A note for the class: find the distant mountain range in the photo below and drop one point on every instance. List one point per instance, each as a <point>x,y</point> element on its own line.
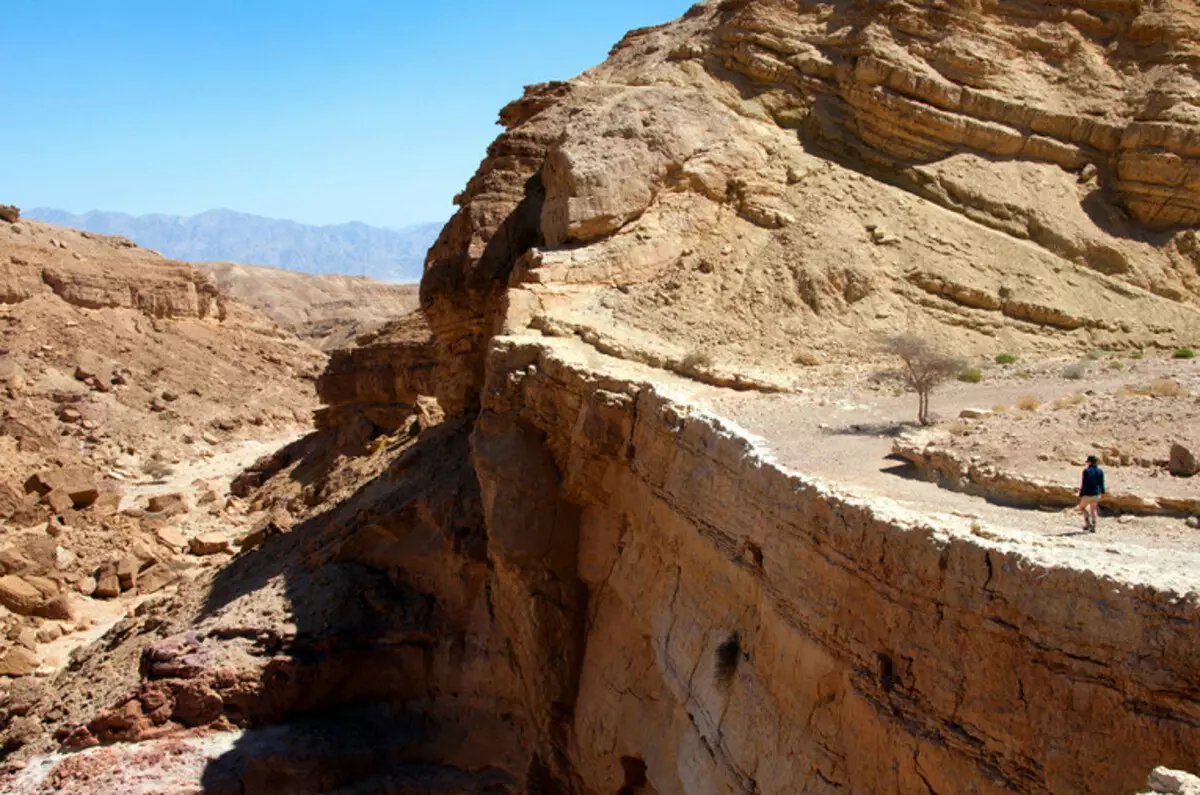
<point>393,255</point>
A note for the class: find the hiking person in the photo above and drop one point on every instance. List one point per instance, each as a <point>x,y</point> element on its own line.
<point>1090,492</point>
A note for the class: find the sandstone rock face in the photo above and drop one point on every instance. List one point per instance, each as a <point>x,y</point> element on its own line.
<point>681,614</point>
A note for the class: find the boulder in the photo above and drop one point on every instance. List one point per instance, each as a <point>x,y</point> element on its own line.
<point>46,586</point>
<point>171,537</point>
<point>108,585</point>
<point>49,632</point>
<point>60,608</point>
<point>155,579</point>
<point>108,504</point>
<point>59,501</point>
<point>13,561</point>
<point>1183,463</point>
<point>19,596</point>
<point>209,544</point>
<point>86,586</point>
<point>127,572</point>
<point>64,559</point>
<point>167,504</point>
<point>18,661</point>
<point>974,414</point>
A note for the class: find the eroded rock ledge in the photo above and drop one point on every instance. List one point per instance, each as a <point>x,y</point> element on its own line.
<point>673,597</point>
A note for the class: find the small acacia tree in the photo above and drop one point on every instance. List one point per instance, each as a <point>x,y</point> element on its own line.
<point>923,368</point>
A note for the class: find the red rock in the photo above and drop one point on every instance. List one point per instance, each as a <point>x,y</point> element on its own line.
<point>60,608</point>
<point>208,544</point>
<point>18,661</point>
<point>167,504</point>
<point>108,585</point>
<point>19,596</point>
<point>127,572</point>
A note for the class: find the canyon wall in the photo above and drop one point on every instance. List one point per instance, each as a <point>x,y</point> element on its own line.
<point>674,600</point>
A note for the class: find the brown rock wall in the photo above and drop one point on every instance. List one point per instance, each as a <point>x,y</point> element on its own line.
<point>873,653</point>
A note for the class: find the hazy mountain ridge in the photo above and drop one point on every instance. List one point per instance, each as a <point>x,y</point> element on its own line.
<point>354,248</point>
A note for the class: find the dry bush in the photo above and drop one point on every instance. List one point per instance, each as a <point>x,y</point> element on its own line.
<point>10,213</point>
<point>157,470</point>
<point>1028,403</point>
<point>1165,387</point>
<point>696,360</point>
<point>806,359</point>
<point>1116,364</point>
<point>958,428</point>
<point>1069,401</point>
<point>999,408</point>
<point>1075,372</point>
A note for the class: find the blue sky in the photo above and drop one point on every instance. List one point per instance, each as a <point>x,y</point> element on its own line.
<point>315,111</point>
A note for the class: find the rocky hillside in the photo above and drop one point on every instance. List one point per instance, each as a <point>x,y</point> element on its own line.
<point>571,574</point>
<point>330,310</point>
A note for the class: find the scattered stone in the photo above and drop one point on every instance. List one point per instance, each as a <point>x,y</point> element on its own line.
<point>170,396</point>
<point>64,559</point>
<point>86,586</point>
<point>209,439</point>
<point>209,544</point>
<point>167,504</point>
<point>155,578</point>
<point>108,585</point>
<point>127,572</point>
<point>19,596</point>
<point>171,537</point>
<point>49,632</point>
<point>27,637</point>
<point>1193,522</point>
<point>108,504</point>
<point>59,501</point>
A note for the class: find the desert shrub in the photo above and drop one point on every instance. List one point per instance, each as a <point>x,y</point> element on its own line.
<point>1069,401</point>
<point>1006,358</point>
<point>1000,408</point>
<point>1138,354</point>
<point>10,213</point>
<point>1024,374</point>
<point>1116,364</point>
<point>972,375</point>
<point>924,368</point>
<point>696,360</point>
<point>1028,403</point>
<point>157,470</point>
<point>958,428</point>
<point>806,359</point>
<point>1185,353</point>
<point>1095,355</point>
<point>1164,387</point>
<point>1075,372</point>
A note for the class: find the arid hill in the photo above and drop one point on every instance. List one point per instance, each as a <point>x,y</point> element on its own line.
<point>328,310</point>
<point>647,538</point>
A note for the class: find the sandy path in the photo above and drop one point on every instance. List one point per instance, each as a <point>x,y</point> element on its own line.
<point>847,438</point>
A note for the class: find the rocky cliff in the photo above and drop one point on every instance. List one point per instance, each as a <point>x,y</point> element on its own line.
<point>761,179</point>
<point>580,580</point>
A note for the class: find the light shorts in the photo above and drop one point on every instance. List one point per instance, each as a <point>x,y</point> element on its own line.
<point>1093,499</point>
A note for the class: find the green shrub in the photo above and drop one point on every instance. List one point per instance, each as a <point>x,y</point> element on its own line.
<point>1006,358</point>
<point>1185,353</point>
<point>1138,354</point>
<point>971,375</point>
<point>1116,364</point>
<point>1094,355</point>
